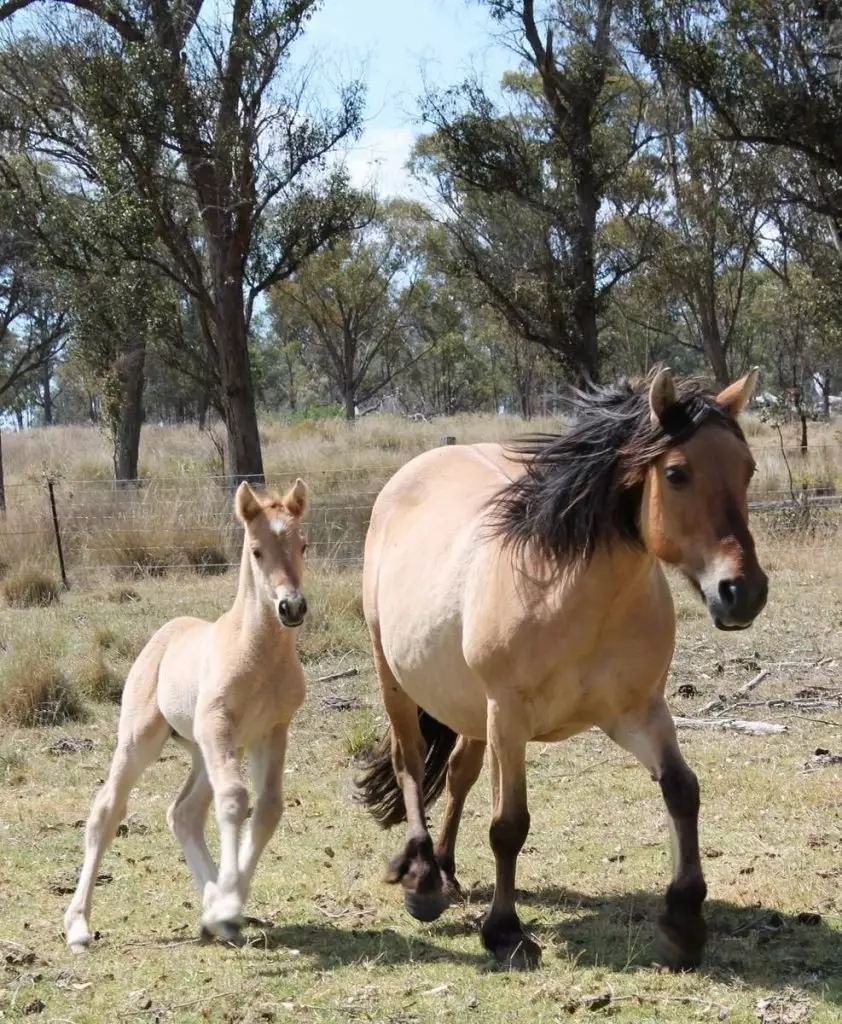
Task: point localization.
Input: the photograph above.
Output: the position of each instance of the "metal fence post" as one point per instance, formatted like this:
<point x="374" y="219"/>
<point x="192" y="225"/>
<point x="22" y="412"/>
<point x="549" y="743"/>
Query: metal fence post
<point x="57" y="531"/>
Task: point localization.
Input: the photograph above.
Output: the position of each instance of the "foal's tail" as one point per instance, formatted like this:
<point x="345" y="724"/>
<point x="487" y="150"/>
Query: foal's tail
<point x="378" y="788"/>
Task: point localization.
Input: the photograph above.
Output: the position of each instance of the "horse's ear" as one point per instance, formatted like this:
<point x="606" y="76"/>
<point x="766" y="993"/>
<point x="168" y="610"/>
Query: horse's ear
<point x="737" y="395"/>
<point x="661" y="395"/>
<point x="296" y="498"/>
<point x="246" y="503"/>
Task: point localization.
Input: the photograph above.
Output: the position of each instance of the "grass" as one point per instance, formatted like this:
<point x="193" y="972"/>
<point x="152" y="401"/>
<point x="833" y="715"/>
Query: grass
<point x="29" y="587"/>
<point x="595" y="865"/>
<point x="591" y="876"/>
<point x="35" y="691"/>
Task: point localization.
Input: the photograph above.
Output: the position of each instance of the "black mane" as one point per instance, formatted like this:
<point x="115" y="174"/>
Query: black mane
<point x="583" y="488"/>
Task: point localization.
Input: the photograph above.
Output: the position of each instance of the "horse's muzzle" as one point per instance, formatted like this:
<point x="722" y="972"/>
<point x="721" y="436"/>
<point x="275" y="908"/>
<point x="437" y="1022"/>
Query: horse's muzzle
<point x="737" y="602"/>
<point x="292" y="609"/>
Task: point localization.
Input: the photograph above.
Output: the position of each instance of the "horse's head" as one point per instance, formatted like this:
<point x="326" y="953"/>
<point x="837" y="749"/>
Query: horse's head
<point x="695" y="504"/>
<point x="276" y="546"/>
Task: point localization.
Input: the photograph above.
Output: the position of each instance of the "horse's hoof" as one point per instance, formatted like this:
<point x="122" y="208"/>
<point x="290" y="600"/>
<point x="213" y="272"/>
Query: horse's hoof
<point x="681" y="941"/>
<point x="426" y="906"/>
<point x="79" y="947"/>
<point x="517" y="953"/>
<point x="225" y="931"/>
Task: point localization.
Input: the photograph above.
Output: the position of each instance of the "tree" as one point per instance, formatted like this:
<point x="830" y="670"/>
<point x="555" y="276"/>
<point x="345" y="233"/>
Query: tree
<point x="548" y="201"/>
<point x="29" y="337"/>
<point x="182" y="111"/>
<point x="352" y="306"/>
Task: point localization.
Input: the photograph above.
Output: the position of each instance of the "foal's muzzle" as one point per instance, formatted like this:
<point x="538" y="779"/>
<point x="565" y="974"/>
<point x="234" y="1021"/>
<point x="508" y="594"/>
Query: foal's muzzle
<point x="735" y="603"/>
<point x="292" y="609"/>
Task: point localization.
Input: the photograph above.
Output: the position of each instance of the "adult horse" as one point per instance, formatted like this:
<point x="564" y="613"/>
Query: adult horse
<point x="517" y="594"/>
<point x="216" y="688"/>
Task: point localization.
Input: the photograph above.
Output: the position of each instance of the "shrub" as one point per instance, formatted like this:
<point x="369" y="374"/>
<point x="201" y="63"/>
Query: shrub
<point x="99" y="681"/>
<point x="13" y="765"/>
<point x="29" y="587"/>
<point x="35" y="692"/>
<point x="207" y="559"/>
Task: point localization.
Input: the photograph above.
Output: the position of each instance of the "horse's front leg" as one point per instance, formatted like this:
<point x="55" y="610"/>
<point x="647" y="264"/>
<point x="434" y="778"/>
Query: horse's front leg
<point x="266" y="761"/>
<point x="502" y="932"/>
<point x="650" y="736"/>
<point x="223" y="902"/>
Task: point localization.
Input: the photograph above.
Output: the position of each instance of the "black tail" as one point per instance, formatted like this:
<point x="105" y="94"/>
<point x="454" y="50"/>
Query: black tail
<point x="378" y="788"/>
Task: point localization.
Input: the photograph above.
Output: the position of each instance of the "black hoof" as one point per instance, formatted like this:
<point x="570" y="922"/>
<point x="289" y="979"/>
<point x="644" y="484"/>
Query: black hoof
<point x="681" y="940"/>
<point x="512" y="947"/>
<point x="426" y="906"/>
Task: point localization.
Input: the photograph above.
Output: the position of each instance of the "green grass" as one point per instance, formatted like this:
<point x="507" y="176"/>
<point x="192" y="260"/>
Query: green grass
<point x="341" y="947"/>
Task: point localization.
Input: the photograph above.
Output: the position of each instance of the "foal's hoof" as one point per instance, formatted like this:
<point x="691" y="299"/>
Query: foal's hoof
<point x="426" y="906"/>
<point x="226" y="931"/>
<point x="681" y="940"/>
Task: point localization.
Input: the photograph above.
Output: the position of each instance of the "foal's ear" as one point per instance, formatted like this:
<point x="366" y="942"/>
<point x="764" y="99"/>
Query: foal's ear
<point x="661" y="395"/>
<point x="246" y="503"/>
<point x="296" y="498"/>
<point x="737" y="395"/>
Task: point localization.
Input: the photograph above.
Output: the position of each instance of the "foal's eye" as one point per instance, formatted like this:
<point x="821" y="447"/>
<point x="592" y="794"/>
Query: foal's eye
<point x="257" y="553"/>
<point x="678" y="476"/>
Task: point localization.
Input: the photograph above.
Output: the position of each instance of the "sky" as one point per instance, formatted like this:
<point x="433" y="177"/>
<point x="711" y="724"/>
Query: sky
<point x="396" y="46"/>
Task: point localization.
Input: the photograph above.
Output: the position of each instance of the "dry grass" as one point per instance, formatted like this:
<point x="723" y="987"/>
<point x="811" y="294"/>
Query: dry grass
<point x="34" y="691"/>
<point x="342" y="949"/>
<point x="29" y="587"/>
<point x="99" y="681"/>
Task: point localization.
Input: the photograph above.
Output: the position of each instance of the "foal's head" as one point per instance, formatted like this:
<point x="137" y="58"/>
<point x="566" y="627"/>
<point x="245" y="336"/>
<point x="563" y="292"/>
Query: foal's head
<point x="694" y="509"/>
<point x="276" y="545"/>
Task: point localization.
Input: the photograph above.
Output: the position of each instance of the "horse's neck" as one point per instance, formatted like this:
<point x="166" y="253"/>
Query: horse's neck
<point x="255" y="620"/>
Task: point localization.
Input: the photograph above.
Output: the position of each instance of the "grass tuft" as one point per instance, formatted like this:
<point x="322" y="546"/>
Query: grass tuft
<point x="363" y="738"/>
<point x="123" y="595"/>
<point x="13" y="765"/>
<point x="99" y="682"/>
<point x="34" y="691"/>
<point x="29" y="587"/>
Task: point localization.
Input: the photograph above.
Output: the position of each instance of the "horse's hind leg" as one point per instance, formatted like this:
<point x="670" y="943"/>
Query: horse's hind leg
<point x="139" y="743"/>
<point x="463" y="770"/>
<point x="650" y="736"/>
<point x="416" y="868"/>
<point x="187" y="817"/>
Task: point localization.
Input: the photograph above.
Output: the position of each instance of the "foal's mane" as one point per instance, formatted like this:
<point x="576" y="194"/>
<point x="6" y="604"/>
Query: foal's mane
<point x="583" y="488"/>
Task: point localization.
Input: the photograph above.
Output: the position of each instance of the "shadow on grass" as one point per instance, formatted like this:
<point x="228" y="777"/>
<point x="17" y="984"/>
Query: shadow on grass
<point x="332" y="946"/>
<point x="758" y="944"/>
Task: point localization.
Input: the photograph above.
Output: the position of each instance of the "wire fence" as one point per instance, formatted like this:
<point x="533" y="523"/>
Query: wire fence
<point x="159" y="525"/>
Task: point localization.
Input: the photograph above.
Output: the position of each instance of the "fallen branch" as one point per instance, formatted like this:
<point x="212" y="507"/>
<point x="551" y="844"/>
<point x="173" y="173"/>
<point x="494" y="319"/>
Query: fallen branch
<point x="344" y="674"/>
<point x="752" y="684"/>
<point x="732" y="724"/>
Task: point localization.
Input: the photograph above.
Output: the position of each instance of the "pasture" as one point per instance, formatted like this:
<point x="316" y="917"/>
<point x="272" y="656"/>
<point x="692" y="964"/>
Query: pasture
<point x="336" y="944"/>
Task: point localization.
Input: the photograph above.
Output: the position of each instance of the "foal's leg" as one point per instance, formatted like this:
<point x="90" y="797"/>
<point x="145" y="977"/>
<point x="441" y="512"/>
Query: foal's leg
<point x="187" y="817"/>
<point x="463" y="770"/>
<point x="223" y="903"/>
<point x="266" y="760"/>
<point x="139" y="743"/>
<point x="416" y="868"/>
<point x="650" y="736"/>
<point x="502" y="932"/>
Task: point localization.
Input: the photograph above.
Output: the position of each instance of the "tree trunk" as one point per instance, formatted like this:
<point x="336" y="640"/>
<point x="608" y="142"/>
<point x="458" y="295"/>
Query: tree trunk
<point x="127" y="432"/>
<point x="46" y="387"/>
<point x="585" y="361"/>
<point x="350" y="404"/>
<point x="204" y="403"/>
<point x="244" y="455"/>
<point x="2" y="481"/>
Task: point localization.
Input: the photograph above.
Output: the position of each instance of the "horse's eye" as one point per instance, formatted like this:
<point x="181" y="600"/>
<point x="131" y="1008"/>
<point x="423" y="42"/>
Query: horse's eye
<point x="257" y="553"/>
<point x="677" y="476"/>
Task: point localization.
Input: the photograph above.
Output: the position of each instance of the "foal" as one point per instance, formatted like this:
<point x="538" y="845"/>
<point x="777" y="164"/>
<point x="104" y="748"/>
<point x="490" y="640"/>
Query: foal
<point x="514" y="596"/>
<point x="216" y="688"/>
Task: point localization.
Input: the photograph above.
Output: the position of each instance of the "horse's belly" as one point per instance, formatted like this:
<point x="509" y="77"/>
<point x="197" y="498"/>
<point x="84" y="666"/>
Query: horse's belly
<point x="437" y="678"/>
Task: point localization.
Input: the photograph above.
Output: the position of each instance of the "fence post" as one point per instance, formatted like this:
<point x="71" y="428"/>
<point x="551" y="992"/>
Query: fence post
<point x="51" y="492"/>
<point x="447" y="439"/>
